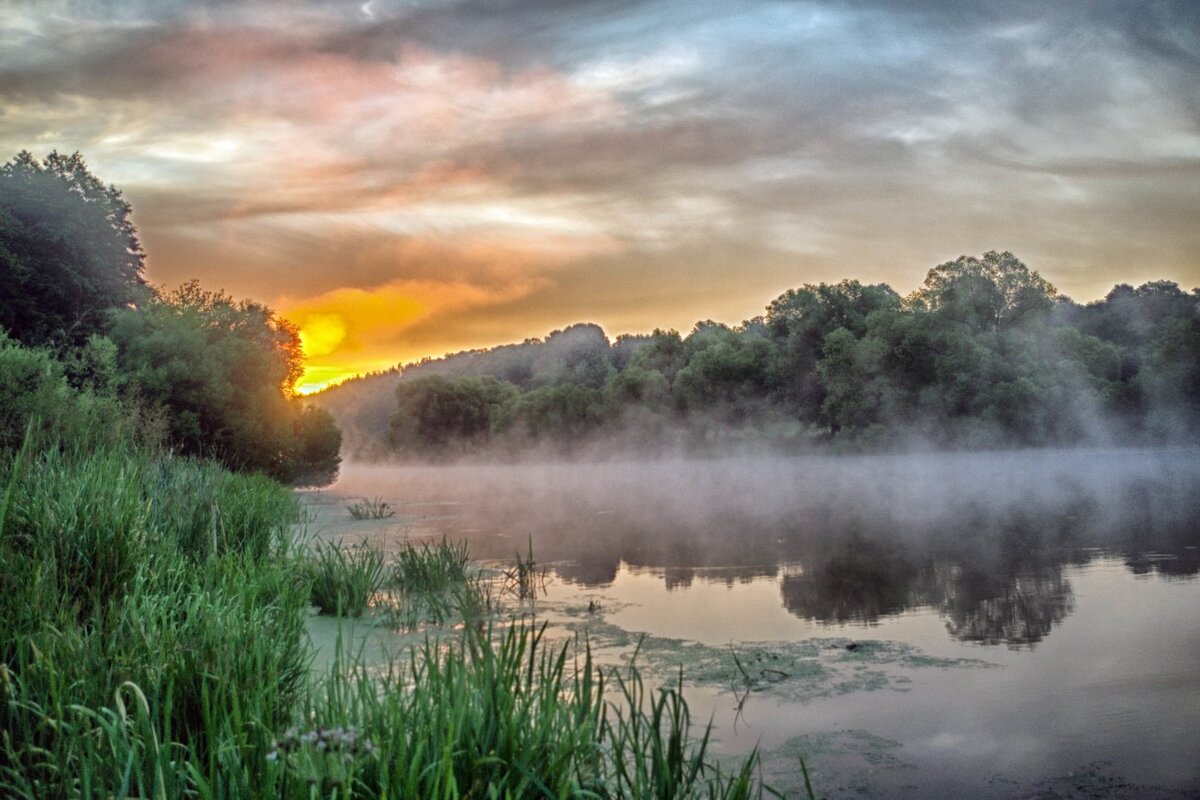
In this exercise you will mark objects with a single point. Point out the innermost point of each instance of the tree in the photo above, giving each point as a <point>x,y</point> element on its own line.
<point>434,412</point>
<point>565,413</point>
<point>799,320</point>
<point>35,389</point>
<point>727,370</point>
<point>225,372</point>
<point>314,456</point>
<point>662,352</point>
<point>821,309</point>
<point>579,354</point>
<point>991,293</point>
<point>69,252</point>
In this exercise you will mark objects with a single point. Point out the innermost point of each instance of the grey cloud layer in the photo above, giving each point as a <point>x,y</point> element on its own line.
<point>863,139</point>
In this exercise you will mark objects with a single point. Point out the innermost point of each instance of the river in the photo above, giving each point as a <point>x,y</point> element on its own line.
<point>1014,624</point>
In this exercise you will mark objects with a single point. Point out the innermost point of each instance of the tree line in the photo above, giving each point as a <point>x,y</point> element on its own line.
<point>985,353</point>
<point>89,348</point>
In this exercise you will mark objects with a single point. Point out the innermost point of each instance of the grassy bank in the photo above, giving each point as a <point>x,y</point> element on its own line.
<point>152,645</point>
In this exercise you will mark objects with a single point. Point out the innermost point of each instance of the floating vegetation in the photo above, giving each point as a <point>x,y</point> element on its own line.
<point>371,509</point>
<point>1094,781</point>
<point>844,763</point>
<point>796,671</point>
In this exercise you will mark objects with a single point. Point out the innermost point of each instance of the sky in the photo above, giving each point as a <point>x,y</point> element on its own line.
<point>407,178</point>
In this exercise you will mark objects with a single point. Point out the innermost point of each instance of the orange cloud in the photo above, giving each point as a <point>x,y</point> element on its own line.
<point>349,331</point>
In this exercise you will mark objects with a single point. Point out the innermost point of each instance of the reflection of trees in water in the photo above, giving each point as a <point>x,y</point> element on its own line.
<point>859,580</point>
<point>1013,610</point>
<point>1159,535</point>
<point>590,569</point>
<point>678,577</point>
<point>996,574</point>
<point>994,585</point>
<point>1182,566</point>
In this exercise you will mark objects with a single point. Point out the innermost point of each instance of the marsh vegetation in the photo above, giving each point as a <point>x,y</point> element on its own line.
<point>158,650</point>
<point>155,595</point>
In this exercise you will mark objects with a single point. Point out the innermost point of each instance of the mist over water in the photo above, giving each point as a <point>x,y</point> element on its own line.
<point>858,536</point>
<point>1074,571</point>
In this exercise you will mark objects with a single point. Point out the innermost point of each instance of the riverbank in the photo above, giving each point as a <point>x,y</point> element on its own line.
<point>152,641</point>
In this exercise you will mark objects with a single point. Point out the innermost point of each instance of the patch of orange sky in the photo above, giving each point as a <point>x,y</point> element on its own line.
<point>348,332</point>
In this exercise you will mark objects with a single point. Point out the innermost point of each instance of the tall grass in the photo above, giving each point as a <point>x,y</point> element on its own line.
<point>431,567</point>
<point>152,645</point>
<point>503,714</point>
<point>344,580</point>
<point>104,585</point>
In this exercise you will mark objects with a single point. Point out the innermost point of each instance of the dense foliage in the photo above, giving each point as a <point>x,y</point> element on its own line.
<point>68,250</point>
<point>152,644</point>
<point>985,353</point>
<point>84,342</point>
<point>224,371</point>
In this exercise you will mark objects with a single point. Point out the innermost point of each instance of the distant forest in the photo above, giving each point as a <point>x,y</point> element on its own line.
<point>985,354</point>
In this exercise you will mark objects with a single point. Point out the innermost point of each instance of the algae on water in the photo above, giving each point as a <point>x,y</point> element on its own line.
<point>793,671</point>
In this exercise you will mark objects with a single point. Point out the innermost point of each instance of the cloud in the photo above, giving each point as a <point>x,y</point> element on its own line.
<point>432,291</point>
<point>617,161</point>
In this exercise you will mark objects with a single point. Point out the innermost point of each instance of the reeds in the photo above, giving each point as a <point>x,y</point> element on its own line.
<point>344,580</point>
<point>152,645</point>
<point>368,508</point>
<point>525,579</point>
<point>429,567</point>
<point>503,713</point>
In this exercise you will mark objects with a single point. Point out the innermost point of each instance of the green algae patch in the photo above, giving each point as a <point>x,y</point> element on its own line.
<point>847,763</point>
<point>792,671</point>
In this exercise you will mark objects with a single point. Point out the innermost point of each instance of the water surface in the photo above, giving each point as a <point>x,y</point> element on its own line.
<point>1002,625</point>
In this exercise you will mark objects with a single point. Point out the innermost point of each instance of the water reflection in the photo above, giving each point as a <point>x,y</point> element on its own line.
<point>983,539</point>
<point>855,579</point>
<point>1012,593</point>
<point>1019,613</point>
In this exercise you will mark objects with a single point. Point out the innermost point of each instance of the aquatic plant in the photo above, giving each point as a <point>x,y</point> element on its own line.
<point>371,509</point>
<point>434,583</point>
<point>500,712</point>
<point>429,567</point>
<point>344,580</point>
<point>525,580</point>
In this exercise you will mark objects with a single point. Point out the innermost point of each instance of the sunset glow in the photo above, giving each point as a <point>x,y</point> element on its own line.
<point>406,179</point>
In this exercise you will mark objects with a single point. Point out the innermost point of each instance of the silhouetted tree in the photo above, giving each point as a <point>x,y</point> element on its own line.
<point>69,252</point>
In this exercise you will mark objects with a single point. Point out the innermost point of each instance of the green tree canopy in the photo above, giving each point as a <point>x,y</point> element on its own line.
<point>225,371</point>
<point>434,411</point>
<point>799,320</point>
<point>69,252</point>
<point>994,292</point>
